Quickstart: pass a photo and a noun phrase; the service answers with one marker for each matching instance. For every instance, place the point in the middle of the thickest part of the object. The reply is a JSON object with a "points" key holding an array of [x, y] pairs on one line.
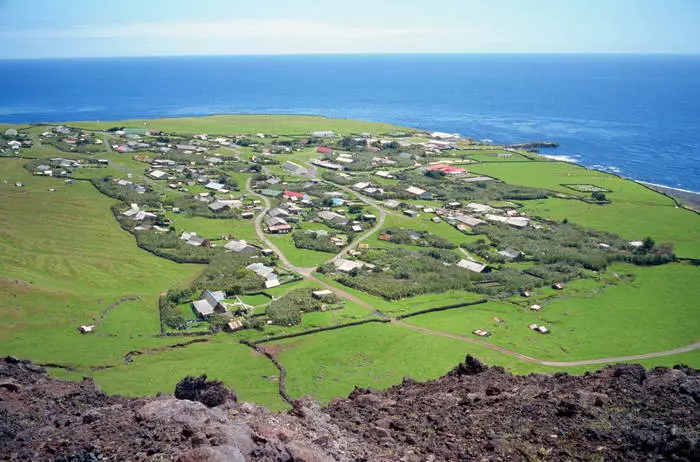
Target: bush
{"points": [[211, 393]]}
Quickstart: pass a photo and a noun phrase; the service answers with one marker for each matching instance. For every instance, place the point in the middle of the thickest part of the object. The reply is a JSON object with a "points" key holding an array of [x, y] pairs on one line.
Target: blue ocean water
{"points": [[634, 115]]}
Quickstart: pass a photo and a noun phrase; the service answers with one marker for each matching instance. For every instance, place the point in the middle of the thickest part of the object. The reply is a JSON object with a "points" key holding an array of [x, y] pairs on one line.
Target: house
{"points": [[214, 186], [356, 228], [271, 192], [247, 214], [479, 208], [447, 169], [86, 329], [294, 168], [157, 174], [558, 286], [384, 174], [241, 247], [328, 165], [194, 240], [11, 132], [468, 220], [323, 134], [361, 185], [345, 266], [410, 213], [511, 254], [472, 266], [345, 160], [526, 293], [324, 150], [535, 307], [415, 191], [392, 204], [373, 191], [210, 303], [320, 294], [279, 212], [518, 222], [277, 225], [217, 206], [293, 195], [334, 217]]}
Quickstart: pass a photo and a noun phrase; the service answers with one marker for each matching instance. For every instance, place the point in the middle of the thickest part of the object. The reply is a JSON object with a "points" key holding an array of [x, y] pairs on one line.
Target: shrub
{"points": [[211, 393]]}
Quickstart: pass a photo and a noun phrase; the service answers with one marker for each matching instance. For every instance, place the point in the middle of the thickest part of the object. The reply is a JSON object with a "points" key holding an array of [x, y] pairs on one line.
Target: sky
{"points": [[107, 28]]}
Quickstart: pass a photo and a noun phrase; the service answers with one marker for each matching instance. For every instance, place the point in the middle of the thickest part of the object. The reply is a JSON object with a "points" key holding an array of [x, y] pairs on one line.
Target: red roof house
{"points": [[292, 195], [324, 150], [447, 169]]}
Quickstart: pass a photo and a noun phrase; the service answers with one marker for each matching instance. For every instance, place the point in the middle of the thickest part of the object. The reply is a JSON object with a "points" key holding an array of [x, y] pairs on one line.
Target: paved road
{"points": [[307, 273]]}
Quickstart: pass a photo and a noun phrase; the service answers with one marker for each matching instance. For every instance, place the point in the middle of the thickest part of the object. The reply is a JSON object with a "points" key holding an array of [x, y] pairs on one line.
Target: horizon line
{"points": [[379, 53]]}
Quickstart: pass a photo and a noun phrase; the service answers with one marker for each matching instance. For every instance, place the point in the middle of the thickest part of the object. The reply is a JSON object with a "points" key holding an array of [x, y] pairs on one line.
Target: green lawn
{"points": [[214, 228], [655, 312], [249, 124], [304, 258], [250, 374]]}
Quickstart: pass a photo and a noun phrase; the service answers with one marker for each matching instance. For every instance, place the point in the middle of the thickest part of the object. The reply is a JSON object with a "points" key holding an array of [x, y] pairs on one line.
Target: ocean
{"points": [[634, 115]]}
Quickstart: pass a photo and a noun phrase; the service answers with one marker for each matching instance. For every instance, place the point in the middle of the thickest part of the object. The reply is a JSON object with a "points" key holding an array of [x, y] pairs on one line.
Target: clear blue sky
{"points": [[81, 28]]}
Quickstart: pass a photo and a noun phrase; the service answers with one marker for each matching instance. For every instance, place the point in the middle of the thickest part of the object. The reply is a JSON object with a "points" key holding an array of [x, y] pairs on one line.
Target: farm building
{"points": [[472, 266], [209, 303], [241, 247]]}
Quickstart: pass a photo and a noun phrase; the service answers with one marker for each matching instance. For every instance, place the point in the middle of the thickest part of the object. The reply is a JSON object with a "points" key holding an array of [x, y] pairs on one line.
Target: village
{"points": [[396, 215]]}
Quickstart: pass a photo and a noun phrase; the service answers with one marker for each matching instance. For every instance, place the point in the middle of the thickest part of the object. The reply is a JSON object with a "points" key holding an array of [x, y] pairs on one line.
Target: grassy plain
{"points": [[304, 258], [656, 311], [64, 259], [249, 124]]}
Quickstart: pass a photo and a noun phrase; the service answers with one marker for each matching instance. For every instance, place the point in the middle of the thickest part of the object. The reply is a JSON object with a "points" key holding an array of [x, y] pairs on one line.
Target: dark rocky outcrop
{"points": [[475, 412]]}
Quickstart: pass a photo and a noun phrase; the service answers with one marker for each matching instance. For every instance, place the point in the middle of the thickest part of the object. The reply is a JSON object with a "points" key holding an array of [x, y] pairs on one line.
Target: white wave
{"points": [[561, 158]]}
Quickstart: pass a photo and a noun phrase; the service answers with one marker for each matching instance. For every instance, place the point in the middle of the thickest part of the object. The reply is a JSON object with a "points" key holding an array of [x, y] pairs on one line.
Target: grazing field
{"points": [[249, 373], [635, 211], [64, 263], [249, 124], [656, 311], [214, 228], [304, 258]]}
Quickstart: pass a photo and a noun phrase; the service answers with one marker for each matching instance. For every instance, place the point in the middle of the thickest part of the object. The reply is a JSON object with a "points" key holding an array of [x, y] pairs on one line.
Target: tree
{"points": [[648, 244], [599, 196]]}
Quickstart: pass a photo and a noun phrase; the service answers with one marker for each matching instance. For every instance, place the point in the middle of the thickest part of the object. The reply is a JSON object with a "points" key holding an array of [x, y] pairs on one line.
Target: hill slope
{"points": [[473, 413]]}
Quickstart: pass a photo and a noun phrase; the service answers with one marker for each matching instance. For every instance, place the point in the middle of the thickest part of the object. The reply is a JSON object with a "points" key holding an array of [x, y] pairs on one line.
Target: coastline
{"points": [[689, 199]]}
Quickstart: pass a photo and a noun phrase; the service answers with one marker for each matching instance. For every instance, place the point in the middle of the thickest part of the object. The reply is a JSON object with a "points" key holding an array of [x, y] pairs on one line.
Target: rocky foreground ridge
{"points": [[473, 413]]}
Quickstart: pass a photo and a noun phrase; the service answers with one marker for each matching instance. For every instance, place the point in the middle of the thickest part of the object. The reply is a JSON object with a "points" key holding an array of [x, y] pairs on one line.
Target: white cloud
{"points": [[264, 29]]}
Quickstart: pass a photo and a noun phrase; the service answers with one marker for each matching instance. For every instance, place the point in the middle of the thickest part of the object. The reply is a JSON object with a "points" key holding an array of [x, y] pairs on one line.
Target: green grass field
{"points": [[655, 312], [249, 124], [214, 228], [304, 258]]}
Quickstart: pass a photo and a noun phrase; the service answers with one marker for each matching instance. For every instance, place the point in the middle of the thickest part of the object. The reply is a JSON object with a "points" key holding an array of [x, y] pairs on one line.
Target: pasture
{"points": [[249, 124]]}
